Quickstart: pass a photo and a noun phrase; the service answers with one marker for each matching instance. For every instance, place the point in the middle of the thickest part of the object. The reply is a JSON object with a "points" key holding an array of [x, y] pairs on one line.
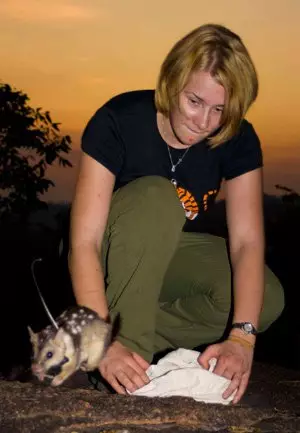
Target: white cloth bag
{"points": [[180, 374]]}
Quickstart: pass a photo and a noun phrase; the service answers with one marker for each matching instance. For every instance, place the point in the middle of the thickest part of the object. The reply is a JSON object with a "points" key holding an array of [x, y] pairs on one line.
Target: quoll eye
{"points": [[65, 360], [49, 355]]}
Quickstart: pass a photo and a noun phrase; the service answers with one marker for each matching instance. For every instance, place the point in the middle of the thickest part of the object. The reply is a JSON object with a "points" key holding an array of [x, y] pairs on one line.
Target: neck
{"points": [[167, 133]]}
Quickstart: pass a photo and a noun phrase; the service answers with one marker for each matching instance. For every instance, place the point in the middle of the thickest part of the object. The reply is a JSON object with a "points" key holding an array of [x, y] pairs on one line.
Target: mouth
{"points": [[47, 379], [41, 374], [197, 132]]}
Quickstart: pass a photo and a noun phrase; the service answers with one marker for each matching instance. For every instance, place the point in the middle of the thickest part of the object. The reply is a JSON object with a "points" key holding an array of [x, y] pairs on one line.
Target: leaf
{"points": [[68, 139], [47, 116], [56, 126], [64, 162]]}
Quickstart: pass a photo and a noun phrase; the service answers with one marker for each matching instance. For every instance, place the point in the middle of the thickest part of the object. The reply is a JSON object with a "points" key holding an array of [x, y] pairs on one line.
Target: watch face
{"points": [[248, 327]]}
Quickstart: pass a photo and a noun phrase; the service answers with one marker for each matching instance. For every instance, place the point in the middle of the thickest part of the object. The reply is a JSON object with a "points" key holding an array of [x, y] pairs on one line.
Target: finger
{"points": [[221, 367], [140, 377], [110, 378], [209, 353], [141, 361], [227, 366], [228, 374], [242, 388], [128, 379], [234, 384], [115, 385], [137, 380]]}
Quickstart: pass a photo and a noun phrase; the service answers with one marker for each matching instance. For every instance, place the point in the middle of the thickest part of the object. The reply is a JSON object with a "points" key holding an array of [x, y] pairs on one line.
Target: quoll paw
{"points": [[57, 381]]}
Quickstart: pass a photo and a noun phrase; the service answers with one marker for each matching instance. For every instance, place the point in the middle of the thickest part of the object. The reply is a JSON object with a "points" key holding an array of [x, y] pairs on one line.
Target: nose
{"points": [[38, 371], [203, 119], [36, 368]]}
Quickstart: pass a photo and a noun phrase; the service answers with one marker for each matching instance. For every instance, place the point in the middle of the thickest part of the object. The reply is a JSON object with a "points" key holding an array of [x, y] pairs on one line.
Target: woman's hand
{"points": [[123, 369], [234, 361]]}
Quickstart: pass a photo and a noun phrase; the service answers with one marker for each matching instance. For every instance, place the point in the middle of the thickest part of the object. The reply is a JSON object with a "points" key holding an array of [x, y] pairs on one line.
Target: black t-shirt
{"points": [[123, 136]]}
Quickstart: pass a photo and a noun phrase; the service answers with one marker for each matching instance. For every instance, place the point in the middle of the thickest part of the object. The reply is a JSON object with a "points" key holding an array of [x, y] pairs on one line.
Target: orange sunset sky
{"points": [[69, 56]]}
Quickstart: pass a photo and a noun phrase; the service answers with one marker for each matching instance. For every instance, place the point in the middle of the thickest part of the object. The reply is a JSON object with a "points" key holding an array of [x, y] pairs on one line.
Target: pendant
{"points": [[173, 168]]}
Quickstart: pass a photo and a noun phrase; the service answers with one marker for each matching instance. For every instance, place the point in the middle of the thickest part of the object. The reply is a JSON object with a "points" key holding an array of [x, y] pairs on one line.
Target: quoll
{"points": [[79, 341]]}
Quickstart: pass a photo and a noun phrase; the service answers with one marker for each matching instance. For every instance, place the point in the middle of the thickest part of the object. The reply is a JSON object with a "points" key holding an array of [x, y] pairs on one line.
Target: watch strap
{"points": [[246, 327]]}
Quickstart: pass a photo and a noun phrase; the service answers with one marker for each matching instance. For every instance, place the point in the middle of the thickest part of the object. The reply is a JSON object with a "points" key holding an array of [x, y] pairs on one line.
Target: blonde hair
{"points": [[217, 50]]}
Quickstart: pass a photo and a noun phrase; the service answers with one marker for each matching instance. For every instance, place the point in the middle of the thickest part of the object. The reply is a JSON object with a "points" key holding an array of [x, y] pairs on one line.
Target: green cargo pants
{"points": [[171, 288]]}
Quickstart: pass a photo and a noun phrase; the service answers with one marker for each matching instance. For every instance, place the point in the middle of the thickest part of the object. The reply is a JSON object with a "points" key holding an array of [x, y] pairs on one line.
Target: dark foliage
{"points": [[29, 142]]}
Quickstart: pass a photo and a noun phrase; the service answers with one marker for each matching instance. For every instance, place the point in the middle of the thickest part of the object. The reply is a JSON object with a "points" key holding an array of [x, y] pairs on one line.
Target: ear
{"points": [[33, 337]]}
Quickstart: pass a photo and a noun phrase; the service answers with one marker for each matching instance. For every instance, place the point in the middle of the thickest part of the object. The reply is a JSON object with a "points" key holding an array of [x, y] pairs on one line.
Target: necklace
{"points": [[179, 161], [173, 168]]}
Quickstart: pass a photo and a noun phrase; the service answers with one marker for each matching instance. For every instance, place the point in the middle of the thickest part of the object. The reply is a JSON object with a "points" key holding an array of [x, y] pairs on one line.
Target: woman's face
{"points": [[199, 109]]}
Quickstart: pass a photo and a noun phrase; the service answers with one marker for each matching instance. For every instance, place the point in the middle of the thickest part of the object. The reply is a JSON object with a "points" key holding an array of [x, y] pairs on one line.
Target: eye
{"points": [[218, 109], [49, 355], [193, 101], [65, 360]]}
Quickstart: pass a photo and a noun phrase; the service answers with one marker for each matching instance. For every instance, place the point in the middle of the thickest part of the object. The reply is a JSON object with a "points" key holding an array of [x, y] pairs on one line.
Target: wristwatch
{"points": [[247, 327]]}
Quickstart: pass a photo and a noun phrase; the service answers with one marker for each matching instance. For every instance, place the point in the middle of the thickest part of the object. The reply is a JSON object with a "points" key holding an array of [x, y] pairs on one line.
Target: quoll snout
{"points": [[38, 371]]}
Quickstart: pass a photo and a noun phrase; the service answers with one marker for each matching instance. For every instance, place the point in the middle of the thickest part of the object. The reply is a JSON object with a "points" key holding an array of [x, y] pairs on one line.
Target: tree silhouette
{"points": [[289, 195], [29, 142]]}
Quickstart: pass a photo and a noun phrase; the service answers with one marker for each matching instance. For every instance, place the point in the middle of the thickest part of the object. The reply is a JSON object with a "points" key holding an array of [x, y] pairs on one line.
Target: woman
{"points": [[152, 164]]}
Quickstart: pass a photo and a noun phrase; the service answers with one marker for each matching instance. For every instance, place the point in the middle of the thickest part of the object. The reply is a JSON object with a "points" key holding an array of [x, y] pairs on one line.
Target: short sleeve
{"points": [[242, 154], [102, 141]]}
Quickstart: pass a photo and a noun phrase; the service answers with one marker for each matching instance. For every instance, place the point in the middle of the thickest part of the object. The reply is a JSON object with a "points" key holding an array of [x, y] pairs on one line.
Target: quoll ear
{"points": [[34, 339], [33, 336]]}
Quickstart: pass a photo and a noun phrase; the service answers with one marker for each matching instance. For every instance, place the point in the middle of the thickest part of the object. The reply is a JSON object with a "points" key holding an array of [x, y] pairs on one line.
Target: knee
{"points": [[156, 189], [223, 308], [273, 304], [221, 302], [156, 197]]}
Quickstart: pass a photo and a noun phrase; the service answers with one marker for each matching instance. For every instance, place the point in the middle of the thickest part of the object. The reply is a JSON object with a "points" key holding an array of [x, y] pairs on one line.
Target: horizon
{"points": [[70, 56], [65, 178]]}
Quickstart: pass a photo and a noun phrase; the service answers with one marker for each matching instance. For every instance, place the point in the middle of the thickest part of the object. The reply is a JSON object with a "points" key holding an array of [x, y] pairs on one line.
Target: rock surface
{"points": [[271, 404]]}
